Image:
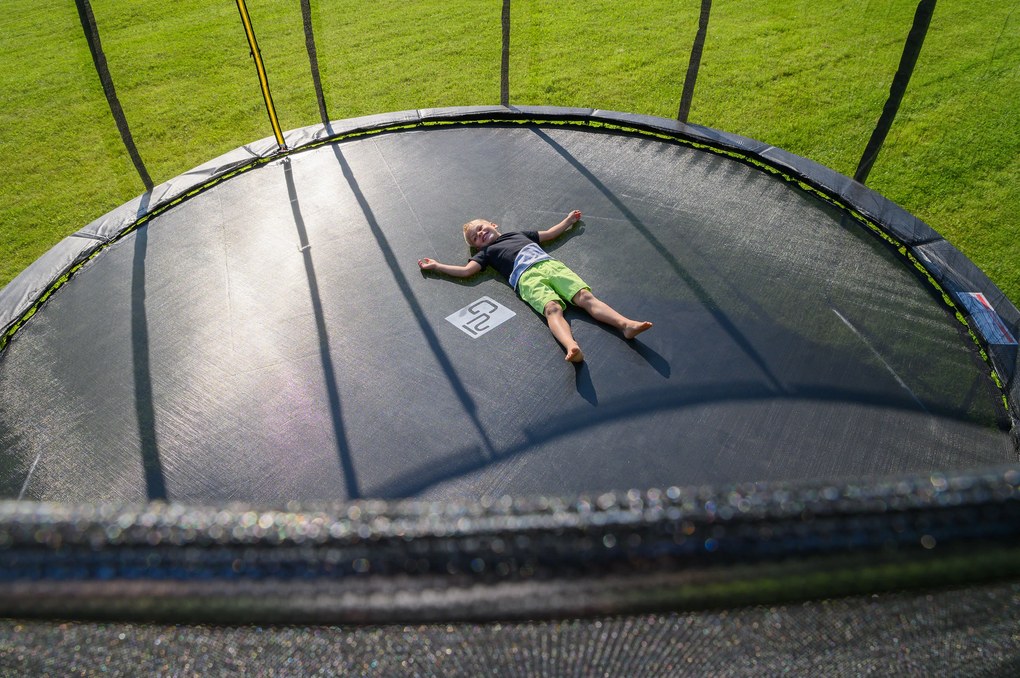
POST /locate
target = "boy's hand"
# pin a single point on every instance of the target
(558, 230)
(465, 271)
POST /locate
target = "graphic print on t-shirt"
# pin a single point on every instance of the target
(526, 258)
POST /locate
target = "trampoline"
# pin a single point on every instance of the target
(258, 330)
(237, 400)
(242, 431)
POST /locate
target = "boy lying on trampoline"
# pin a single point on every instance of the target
(543, 282)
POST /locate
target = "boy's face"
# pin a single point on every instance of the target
(481, 233)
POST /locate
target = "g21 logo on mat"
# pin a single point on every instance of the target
(480, 316)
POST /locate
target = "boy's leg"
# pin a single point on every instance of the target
(605, 313)
(561, 330)
(535, 289)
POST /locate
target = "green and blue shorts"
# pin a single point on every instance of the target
(549, 280)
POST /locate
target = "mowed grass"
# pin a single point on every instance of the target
(805, 76)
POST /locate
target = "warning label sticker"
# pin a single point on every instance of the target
(987, 320)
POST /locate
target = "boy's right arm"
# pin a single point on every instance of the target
(465, 271)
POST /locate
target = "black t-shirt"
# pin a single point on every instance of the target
(501, 252)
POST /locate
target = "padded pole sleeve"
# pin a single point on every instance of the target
(911, 50)
(692, 67)
(88, 24)
(313, 59)
(249, 31)
(504, 71)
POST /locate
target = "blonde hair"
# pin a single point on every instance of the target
(466, 227)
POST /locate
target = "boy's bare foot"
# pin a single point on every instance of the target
(574, 355)
(635, 328)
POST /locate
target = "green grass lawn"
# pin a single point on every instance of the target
(805, 76)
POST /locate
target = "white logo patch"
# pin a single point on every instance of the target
(480, 316)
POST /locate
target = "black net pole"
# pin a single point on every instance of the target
(911, 50)
(695, 62)
(504, 72)
(88, 24)
(313, 59)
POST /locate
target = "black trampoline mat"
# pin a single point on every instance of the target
(273, 339)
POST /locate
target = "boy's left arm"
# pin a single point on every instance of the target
(558, 230)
